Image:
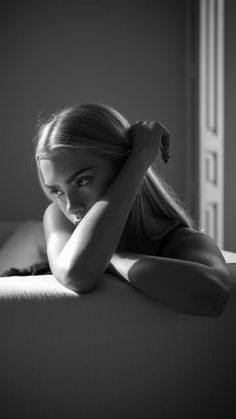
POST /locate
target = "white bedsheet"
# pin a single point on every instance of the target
(38, 286)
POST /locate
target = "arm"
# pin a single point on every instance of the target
(88, 249)
(79, 257)
(192, 277)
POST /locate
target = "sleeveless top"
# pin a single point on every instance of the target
(173, 233)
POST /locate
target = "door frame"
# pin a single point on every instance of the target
(205, 114)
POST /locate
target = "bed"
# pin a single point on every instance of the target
(111, 353)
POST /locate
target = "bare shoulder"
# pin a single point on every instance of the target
(194, 246)
(55, 219)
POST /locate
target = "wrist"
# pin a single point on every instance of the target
(139, 160)
(111, 269)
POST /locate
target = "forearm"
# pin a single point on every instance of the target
(93, 242)
(185, 286)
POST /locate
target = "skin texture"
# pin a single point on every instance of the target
(87, 188)
(190, 276)
(80, 195)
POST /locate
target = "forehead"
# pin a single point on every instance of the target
(63, 163)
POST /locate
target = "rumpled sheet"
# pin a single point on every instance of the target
(35, 269)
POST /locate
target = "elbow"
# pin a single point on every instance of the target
(74, 278)
(80, 282)
(77, 280)
(220, 293)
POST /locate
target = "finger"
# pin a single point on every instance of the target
(165, 142)
(165, 146)
(166, 157)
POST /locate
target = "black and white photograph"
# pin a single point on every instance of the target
(117, 210)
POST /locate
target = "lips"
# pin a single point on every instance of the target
(77, 216)
(77, 220)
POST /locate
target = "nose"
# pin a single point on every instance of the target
(74, 205)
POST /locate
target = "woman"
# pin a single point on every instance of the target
(111, 212)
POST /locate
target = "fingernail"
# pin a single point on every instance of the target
(166, 158)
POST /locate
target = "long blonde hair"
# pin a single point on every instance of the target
(101, 129)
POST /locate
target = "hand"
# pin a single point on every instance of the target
(147, 138)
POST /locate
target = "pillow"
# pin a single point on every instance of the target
(6, 228)
(24, 247)
(230, 257)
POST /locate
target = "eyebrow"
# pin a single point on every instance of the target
(71, 178)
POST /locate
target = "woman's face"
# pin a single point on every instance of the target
(76, 180)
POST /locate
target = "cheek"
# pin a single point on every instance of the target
(107, 180)
(88, 195)
(91, 195)
(97, 192)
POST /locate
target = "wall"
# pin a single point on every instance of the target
(230, 125)
(129, 54)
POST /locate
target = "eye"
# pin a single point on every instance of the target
(83, 181)
(56, 193)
